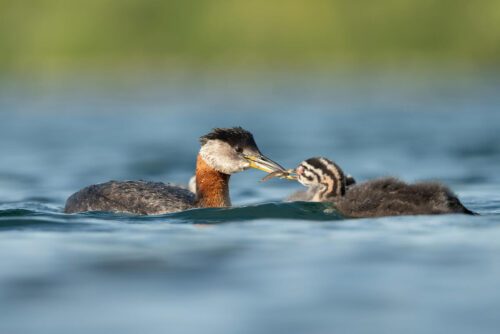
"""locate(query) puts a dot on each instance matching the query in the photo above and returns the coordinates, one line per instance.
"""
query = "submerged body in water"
(136, 197)
(223, 152)
(376, 198)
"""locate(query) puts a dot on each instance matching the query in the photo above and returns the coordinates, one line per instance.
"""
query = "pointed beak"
(264, 163)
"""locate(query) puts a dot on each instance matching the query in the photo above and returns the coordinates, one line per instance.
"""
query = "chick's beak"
(264, 163)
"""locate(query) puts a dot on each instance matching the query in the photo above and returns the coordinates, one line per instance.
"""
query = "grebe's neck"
(212, 186)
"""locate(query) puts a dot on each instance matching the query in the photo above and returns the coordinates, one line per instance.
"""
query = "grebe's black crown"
(236, 136)
(320, 163)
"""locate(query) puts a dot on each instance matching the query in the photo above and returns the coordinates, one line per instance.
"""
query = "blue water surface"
(262, 266)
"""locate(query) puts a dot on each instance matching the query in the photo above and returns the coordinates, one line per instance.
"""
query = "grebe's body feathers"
(136, 197)
(392, 197)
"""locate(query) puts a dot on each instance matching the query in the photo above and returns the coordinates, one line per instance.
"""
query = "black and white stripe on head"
(321, 171)
(236, 137)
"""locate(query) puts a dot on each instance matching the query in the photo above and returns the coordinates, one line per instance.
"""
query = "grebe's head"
(232, 150)
(323, 173)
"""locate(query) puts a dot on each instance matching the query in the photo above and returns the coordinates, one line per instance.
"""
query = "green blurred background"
(129, 35)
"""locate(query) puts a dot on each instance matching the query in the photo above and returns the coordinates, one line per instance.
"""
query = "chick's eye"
(239, 149)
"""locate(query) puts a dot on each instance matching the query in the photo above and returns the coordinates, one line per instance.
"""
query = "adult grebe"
(380, 197)
(223, 152)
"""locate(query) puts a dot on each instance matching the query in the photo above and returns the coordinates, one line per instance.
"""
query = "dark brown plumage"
(380, 197)
(135, 197)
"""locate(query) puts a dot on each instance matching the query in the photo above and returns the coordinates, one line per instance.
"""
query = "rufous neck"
(212, 186)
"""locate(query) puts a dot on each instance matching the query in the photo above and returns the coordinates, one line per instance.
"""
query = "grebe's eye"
(239, 149)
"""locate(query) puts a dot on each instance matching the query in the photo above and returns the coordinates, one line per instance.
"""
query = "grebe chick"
(380, 197)
(308, 195)
(222, 153)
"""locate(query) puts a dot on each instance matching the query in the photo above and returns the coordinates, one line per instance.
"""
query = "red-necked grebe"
(222, 153)
(376, 198)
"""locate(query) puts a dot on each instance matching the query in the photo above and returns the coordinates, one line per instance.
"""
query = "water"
(262, 266)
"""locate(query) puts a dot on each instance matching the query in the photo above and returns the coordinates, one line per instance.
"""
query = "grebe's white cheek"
(238, 169)
(322, 187)
(237, 165)
(221, 156)
(302, 180)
